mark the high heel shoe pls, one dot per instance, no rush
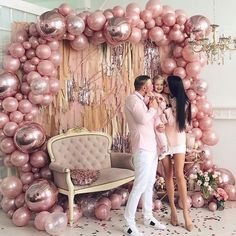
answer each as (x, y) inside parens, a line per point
(189, 227)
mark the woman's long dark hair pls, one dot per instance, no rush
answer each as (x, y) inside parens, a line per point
(183, 105)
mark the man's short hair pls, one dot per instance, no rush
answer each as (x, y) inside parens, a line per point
(140, 81)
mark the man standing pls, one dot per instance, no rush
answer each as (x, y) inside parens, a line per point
(140, 120)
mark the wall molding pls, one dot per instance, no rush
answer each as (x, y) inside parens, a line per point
(224, 113)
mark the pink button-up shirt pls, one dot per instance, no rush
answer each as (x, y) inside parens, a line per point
(141, 123)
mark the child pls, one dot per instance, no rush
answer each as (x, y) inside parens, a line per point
(158, 88)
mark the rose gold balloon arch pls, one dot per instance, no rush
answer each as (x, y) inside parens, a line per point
(34, 52)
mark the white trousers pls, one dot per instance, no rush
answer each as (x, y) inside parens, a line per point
(145, 165)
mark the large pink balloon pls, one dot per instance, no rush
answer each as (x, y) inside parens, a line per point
(193, 69)
(45, 67)
(7, 145)
(168, 65)
(51, 25)
(40, 220)
(41, 195)
(135, 36)
(16, 50)
(155, 7)
(39, 159)
(226, 176)
(11, 64)
(117, 30)
(96, 21)
(29, 137)
(11, 186)
(210, 138)
(156, 34)
(43, 51)
(75, 25)
(231, 191)
(24, 106)
(21, 216)
(80, 42)
(55, 223)
(205, 123)
(10, 104)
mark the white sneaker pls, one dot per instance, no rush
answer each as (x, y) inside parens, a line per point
(154, 223)
(132, 231)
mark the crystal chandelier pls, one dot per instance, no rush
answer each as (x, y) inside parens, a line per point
(214, 49)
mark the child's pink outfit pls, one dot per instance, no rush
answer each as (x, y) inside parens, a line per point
(160, 118)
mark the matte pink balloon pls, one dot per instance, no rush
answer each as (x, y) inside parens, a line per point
(80, 42)
(156, 34)
(204, 106)
(149, 25)
(189, 55)
(197, 133)
(41, 195)
(135, 36)
(65, 9)
(3, 119)
(102, 212)
(146, 15)
(54, 45)
(11, 187)
(40, 220)
(212, 206)
(39, 159)
(193, 69)
(179, 71)
(16, 116)
(133, 7)
(133, 18)
(8, 204)
(231, 191)
(7, 145)
(155, 7)
(10, 128)
(43, 51)
(54, 85)
(96, 21)
(21, 216)
(205, 123)
(24, 106)
(210, 138)
(27, 177)
(45, 67)
(181, 19)
(16, 50)
(118, 11)
(10, 104)
(20, 200)
(169, 19)
(11, 64)
(55, 58)
(168, 65)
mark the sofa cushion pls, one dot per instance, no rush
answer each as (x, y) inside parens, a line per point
(84, 176)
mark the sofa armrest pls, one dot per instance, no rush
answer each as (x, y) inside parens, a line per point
(58, 168)
(122, 160)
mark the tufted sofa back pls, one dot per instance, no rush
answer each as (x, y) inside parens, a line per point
(86, 150)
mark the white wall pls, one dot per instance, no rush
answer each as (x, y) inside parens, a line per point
(221, 79)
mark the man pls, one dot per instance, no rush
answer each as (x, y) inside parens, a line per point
(143, 142)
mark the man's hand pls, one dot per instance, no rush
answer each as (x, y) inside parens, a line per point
(160, 128)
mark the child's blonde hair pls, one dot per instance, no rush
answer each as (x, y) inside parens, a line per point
(159, 77)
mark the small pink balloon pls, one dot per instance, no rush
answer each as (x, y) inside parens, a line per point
(7, 145)
(30, 53)
(26, 45)
(180, 71)
(19, 96)
(43, 51)
(10, 104)
(210, 138)
(133, 7)
(20, 200)
(40, 219)
(158, 205)
(54, 85)
(102, 212)
(16, 116)
(3, 119)
(193, 69)
(33, 30)
(28, 67)
(189, 55)
(27, 178)
(10, 128)
(16, 50)
(105, 201)
(169, 19)
(79, 43)
(57, 208)
(21, 36)
(35, 99)
(25, 168)
(200, 87)
(155, 7)
(39, 159)
(11, 64)
(115, 201)
(212, 206)
(168, 65)
(197, 200)
(191, 94)
(8, 204)
(11, 186)
(24, 106)
(47, 99)
(146, 15)
(55, 58)
(96, 20)
(21, 216)
(181, 62)
(45, 67)
(205, 123)
(156, 34)
(46, 173)
(54, 45)
(64, 9)
(197, 133)
(118, 11)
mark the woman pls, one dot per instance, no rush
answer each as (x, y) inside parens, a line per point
(178, 115)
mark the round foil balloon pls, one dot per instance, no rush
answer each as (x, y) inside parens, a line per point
(198, 25)
(51, 25)
(30, 137)
(41, 195)
(75, 25)
(9, 84)
(117, 30)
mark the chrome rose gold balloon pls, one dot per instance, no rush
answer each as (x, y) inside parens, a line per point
(117, 30)
(9, 84)
(51, 25)
(29, 137)
(41, 195)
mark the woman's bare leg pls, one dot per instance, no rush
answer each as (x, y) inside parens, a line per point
(168, 169)
(182, 188)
